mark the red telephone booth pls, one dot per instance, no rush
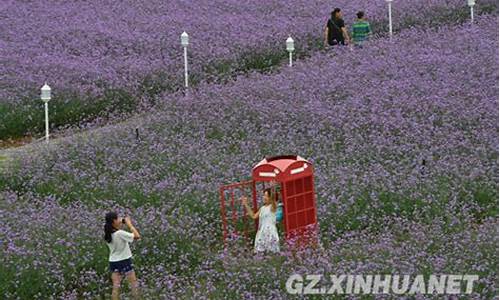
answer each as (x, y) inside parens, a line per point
(295, 184)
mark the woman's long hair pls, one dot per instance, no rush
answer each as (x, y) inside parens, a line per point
(108, 226)
(272, 194)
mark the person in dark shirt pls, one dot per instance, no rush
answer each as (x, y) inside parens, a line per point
(335, 30)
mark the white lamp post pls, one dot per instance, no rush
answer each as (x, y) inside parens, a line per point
(389, 2)
(471, 4)
(45, 96)
(185, 43)
(290, 47)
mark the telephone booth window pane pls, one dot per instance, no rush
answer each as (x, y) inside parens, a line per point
(298, 186)
(310, 216)
(302, 221)
(308, 184)
(290, 188)
(300, 202)
(291, 204)
(308, 198)
(292, 218)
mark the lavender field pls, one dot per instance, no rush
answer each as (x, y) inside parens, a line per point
(403, 135)
(105, 59)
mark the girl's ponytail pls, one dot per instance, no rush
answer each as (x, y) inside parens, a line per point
(108, 226)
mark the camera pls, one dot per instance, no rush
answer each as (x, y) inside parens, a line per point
(123, 220)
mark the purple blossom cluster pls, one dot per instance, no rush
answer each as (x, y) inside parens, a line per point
(403, 136)
(89, 47)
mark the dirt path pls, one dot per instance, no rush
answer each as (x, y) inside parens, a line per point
(7, 155)
(11, 149)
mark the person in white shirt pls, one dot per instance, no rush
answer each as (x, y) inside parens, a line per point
(120, 256)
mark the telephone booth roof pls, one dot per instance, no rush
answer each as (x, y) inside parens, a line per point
(281, 168)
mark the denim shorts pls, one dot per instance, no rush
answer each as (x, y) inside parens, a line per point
(122, 266)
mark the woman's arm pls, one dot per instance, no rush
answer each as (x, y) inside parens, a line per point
(132, 228)
(346, 35)
(326, 36)
(250, 212)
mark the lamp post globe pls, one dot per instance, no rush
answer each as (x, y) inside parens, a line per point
(45, 95)
(290, 47)
(184, 39)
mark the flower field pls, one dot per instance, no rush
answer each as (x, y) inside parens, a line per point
(107, 58)
(403, 135)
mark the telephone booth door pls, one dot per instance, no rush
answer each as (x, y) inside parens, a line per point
(299, 208)
(235, 223)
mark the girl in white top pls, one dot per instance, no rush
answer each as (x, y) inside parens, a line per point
(120, 256)
(267, 238)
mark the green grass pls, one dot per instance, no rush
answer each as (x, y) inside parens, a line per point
(69, 108)
(195, 252)
(30, 282)
(398, 204)
(34, 281)
(28, 117)
(3, 160)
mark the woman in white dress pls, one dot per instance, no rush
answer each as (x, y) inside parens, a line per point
(267, 238)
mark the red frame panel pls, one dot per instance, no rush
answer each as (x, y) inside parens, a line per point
(234, 215)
